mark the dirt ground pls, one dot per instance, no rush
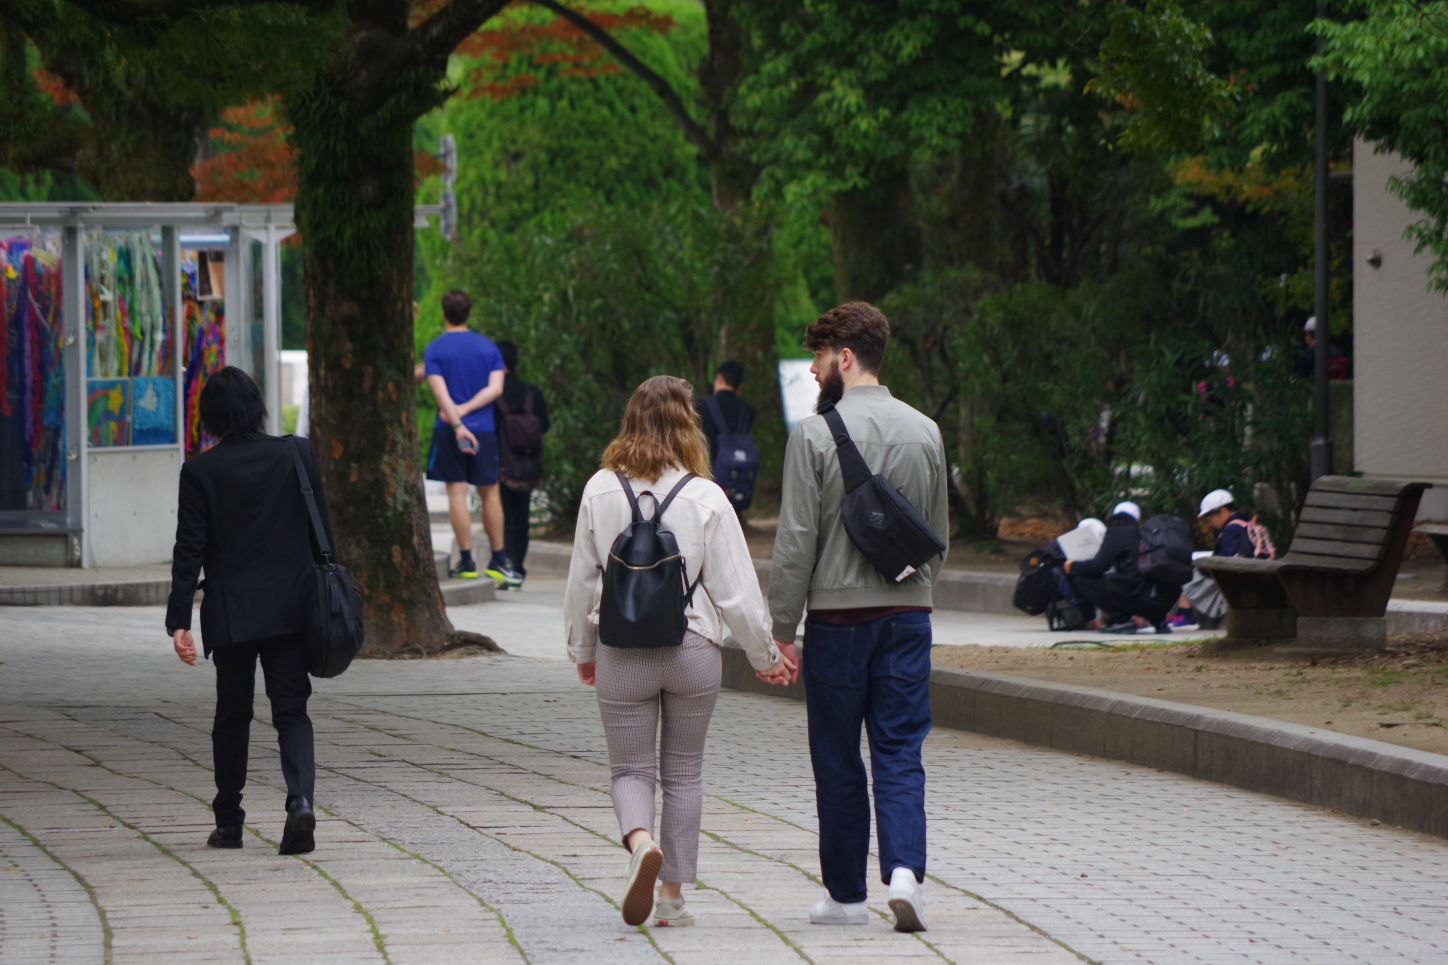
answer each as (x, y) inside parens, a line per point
(1399, 697)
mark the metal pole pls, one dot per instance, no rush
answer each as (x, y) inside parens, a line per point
(1320, 452)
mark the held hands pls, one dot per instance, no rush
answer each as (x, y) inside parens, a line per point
(185, 646)
(785, 670)
(585, 672)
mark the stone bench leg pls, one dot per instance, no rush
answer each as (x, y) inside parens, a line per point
(1277, 623)
(1342, 633)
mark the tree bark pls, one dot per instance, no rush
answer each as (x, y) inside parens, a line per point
(876, 238)
(354, 210)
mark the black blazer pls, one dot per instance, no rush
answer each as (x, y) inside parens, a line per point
(241, 516)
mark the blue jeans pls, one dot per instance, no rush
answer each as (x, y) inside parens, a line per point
(878, 674)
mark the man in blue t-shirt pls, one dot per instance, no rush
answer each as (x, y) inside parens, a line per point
(465, 372)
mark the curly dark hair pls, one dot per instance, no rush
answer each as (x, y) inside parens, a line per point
(857, 326)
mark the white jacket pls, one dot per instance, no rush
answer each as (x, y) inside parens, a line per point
(708, 534)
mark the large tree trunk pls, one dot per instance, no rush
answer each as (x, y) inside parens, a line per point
(354, 210)
(876, 238)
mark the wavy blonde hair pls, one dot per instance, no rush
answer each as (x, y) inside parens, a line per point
(660, 430)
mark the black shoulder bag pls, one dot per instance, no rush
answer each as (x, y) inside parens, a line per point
(334, 611)
(882, 523)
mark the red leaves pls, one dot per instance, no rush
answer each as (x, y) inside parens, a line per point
(53, 87)
(556, 42)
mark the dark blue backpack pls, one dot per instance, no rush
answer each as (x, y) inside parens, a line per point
(736, 464)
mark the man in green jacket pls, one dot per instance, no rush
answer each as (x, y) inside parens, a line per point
(866, 641)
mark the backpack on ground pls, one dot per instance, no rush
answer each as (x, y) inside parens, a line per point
(736, 464)
(1261, 540)
(1164, 553)
(1036, 586)
(645, 584)
(520, 449)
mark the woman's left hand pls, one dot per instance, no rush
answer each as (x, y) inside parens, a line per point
(585, 672)
(185, 646)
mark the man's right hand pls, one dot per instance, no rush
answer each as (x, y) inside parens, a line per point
(789, 653)
(466, 440)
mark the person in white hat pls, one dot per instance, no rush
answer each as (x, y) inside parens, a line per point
(1112, 582)
(1236, 536)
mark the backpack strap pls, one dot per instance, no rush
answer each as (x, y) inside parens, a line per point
(658, 513)
(716, 413)
(852, 464)
(633, 501)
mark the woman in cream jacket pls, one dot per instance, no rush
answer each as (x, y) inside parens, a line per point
(659, 443)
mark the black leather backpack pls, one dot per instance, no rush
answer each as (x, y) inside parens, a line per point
(645, 586)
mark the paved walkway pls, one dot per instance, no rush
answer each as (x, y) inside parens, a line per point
(466, 818)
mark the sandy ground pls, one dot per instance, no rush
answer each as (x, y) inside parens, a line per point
(1400, 697)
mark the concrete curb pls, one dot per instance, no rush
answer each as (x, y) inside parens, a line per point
(1367, 778)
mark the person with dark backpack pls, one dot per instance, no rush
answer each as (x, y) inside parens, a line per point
(659, 569)
(522, 419)
(1112, 581)
(727, 419)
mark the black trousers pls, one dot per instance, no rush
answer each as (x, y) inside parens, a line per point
(284, 670)
(1153, 605)
(515, 525)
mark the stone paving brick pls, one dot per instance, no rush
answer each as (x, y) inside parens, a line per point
(464, 809)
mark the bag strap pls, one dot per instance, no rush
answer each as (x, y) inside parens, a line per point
(312, 514)
(633, 501)
(852, 464)
(716, 413)
(658, 513)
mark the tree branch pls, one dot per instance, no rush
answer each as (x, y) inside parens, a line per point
(439, 35)
(693, 133)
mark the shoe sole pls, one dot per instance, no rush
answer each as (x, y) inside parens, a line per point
(297, 836)
(638, 897)
(465, 575)
(503, 581)
(673, 922)
(906, 918)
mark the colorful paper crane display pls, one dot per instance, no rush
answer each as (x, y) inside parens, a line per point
(32, 378)
(128, 336)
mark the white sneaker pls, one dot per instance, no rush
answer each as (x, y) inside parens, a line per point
(831, 912)
(638, 894)
(670, 913)
(907, 901)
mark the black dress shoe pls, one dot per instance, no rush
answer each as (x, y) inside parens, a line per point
(228, 836)
(297, 835)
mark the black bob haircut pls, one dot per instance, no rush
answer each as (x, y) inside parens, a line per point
(231, 405)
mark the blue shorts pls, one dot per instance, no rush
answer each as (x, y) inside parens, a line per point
(447, 463)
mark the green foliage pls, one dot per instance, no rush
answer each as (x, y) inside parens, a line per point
(1151, 64)
(1395, 54)
(587, 236)
(845, 88)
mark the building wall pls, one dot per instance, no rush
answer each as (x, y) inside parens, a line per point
(1400, 329)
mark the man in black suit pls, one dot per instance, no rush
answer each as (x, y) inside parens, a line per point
(738, 414)
(242, 518)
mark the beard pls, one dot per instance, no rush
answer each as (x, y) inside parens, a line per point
(832, 388)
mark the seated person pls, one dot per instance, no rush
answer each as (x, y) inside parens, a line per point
(1234, 538)
(1112, 582)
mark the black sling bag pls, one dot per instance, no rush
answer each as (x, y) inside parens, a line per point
(882, 523)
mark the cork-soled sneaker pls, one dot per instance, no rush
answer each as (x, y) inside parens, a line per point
(638, 894)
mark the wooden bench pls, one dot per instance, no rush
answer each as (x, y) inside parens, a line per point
(1330, 590)
(1438, 533)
